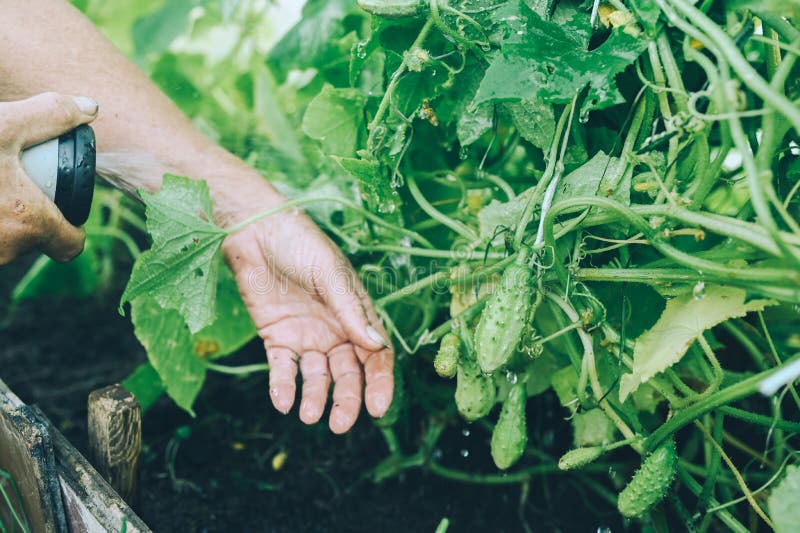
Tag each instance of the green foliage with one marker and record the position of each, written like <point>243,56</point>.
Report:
<point>643,161</point>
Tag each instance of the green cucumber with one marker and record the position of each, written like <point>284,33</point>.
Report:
<point>510,435</point>
<point>651,482</point>
<point>446,361</point>
<point>580,457</point>
<point>505,315</point>
<point>475,393</point>
<point>393,9</point>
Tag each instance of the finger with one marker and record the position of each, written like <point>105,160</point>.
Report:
<point>58,238</point>
<point>42,117</point>
<point>316,381</point>
<point>344,294</point>
<point>378,370</point>
<point>43,225</point>
<point>347,386</point>
<point>282,374</point>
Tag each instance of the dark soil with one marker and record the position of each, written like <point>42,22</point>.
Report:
<point>54,352</point>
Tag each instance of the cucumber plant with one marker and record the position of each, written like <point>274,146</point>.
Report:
<point>591,201</point>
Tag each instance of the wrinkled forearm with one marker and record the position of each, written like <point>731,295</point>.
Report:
<point>47,45</point>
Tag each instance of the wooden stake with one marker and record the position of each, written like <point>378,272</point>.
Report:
<point>115,438</point>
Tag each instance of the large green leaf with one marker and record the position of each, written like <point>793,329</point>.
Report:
<point>176,356</point>
<point>180,270</point>
<point>335,118</point>
<point>145,385</point>
<point>551,61</point>
<point>168,343</point>
<point>684,319</point>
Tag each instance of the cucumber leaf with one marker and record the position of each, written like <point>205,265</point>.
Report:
<point>175,355</point>
<point>783,508</point>
<point>165,336</point>
<point>180,271</point>
<point>145,385</point>
<point>551,61</point>
<point>684,319</point>
<point>335,118</point>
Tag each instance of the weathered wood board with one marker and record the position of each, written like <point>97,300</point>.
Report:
<point>90,503</point>
<point>26,453</point>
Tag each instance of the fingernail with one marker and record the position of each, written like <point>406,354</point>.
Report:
<point>88,106</point>
<point>373,334</point>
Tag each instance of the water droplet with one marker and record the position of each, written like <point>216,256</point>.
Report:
<point>612,473</point>
<point>361,50</point>
<point>520,32</point>
<point>464,453</point>
<point>465,432</point>
<point>584,116</point>
<point>699,290</point>
<point>603,529</point>
<point>463,152</point>
<point>511,377</point>
<point>486,47</point>
<point>437,453</point>
<point>387,208</point>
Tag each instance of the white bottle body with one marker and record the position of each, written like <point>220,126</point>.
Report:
<point>41,165</point>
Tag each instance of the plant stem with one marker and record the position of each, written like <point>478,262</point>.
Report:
<point>744,388</point>
<point>241,370</point>
<point>725,517</point>
<point>723,47</point>
<point>298,202</point>
<point>742,484</point>
<point>533,201</point>
<point>458,227</point>
<point>397,75</point>
<point>590,364</point>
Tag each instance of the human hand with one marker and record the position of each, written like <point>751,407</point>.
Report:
<point>312,311</point>
<point>28,219</point>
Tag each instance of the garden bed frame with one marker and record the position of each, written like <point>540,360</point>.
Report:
<point>60,491</point>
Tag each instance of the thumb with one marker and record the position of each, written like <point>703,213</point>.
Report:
<point>42,117</point>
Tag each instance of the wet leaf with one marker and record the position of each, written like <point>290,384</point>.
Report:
<point>180,270</point>
<point>550,61</point>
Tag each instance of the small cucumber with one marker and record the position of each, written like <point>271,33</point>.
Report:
<point>398,398</point>
<point>393,9</point>
<point>505,315</point>
<point>650,483</point>
<point>446,361</point>
<point>475,393</point>
<point>510,435</point>
<point>580,457</point>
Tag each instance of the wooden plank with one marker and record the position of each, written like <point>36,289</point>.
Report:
<point>26,453</point>
<point>115,438</point>
<point>91,504</point>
